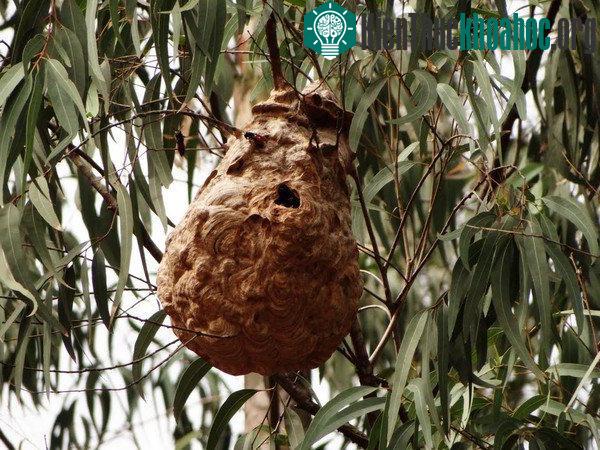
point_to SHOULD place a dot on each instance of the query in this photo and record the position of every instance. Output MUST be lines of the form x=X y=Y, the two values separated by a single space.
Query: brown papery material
x=265 y=253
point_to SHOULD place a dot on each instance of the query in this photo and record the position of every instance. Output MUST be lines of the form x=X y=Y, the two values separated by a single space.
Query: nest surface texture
x=264 y=263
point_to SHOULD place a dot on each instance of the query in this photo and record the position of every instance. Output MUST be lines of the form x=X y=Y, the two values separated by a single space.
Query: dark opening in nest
x=287 y=197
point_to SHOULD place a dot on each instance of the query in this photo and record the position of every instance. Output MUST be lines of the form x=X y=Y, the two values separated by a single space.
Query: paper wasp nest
x=265 y=253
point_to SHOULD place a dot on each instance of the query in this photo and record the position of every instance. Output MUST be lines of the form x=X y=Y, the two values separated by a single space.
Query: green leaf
x=9 y=81
x=459 y=286
x=40 y=197
x=455 y=107
x=383 y=177
x=514 y=86
x=483 y=79
x=17 y=308
x=47 y=350
x=225 y=413
x=594 y=428
x=183 y=443
x=22 y=344
x=57 y=73
x=126 y=232
x=584 y=380
x=33 y=110
x=35 y=229
x=92 y=52
x=410 y=340
x=418 y=391
x=451 y=235
x=557 y=409
x=293 y=427
x=215 y=43
x=66 y=296
x=443 y=366
x=402 y=436
x=153 y=136
x=471 y=228
x=8 y=127
x=480 y=110
x=529 y=406
x=357 y=409
x=156 y=194
x=30 y=14
x=188 y=381
x=200 y=25
x=565 y=270
x=407 y=151
x=537 y=264
x=62 y=263
x=33 y=47
x=143 y=341
x=424 y=98
x=189 y=5
x=329 y=411
x=113 y=7
x=72 y=18
x=85 y=289
x=13 y=250
x=64 y=108
x=160 y=27
x=362 y=111
x=575 y=213
x=253 y=439
x=480 y=279
x=100 y=288
x=501 y=298
x=572 y=370
x=77 y=72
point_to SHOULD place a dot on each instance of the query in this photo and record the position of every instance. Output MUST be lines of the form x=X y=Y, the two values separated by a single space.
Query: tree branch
x=75 y=155
x=364 y=368
x=5 y=441
x=271 y=30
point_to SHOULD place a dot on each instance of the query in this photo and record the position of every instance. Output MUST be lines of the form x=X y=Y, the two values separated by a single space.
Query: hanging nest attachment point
x=265 y=253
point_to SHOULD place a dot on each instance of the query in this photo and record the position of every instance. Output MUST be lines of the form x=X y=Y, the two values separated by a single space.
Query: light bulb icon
x=330 y=27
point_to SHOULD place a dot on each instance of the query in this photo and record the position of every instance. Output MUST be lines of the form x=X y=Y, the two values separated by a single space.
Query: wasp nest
x=262 y=275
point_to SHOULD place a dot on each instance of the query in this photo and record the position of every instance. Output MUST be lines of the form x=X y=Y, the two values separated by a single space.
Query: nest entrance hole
x=287 y=197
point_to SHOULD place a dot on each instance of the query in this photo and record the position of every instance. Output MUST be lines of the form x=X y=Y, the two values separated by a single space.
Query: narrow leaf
x=362 y=111
x=225 y=413
x=9 y=81
x=329 y=410
x=143 y=341
x=534 y=254
x=100 y=288
x=501 y=298
x=575 y=213
x=411 y=338
x=188 y=381
x=424 y=98
x=39 y=194
x=126 y=232
x=456 y=108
